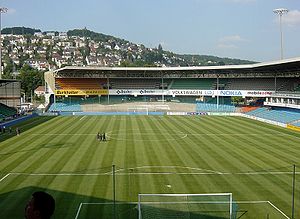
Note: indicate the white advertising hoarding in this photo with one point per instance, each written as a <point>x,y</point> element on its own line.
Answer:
<point>181,92</point>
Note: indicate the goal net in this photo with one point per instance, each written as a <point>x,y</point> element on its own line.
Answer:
<point>137,111</point>
<point>186,206</point>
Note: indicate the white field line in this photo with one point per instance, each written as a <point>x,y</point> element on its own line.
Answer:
<point>78,211</point>
<point>281,212</point>
<point>82,117</point>
<point>239,134</point>
<point>148,133</point>
<point>181,167</point>
<point>108,203</point>
<point>145,173</point>
<point>118,203</point>
<point>61,174</point>
<point>175,134</point>
<point>183,202</point>
<point>59,134</point>
<point>4,177</point>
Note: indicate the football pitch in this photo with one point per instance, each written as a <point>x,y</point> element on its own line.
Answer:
<point>152,155</point>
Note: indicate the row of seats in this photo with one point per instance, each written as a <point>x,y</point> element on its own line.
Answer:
<point>296,123</point>
<point>257,111</point>
<point>211,107</point>
<point>279,115</point>
<point>201,84</point>
<point>282,84</point>
<point>64,107</point>
<point>80,83</point>
<point>6,111</point>
<point>135,83</point>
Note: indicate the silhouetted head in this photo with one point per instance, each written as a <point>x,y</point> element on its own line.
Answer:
<point>40,206</point>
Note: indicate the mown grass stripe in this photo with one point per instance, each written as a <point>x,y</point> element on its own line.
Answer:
<point>146,141</point>
<point>219,141</point>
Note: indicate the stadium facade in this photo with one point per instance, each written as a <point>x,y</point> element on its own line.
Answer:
<point>276,83</point>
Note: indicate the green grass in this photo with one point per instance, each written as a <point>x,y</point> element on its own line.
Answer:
<point>152,154</point>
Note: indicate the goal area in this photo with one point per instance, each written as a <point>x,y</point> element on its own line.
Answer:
<point>187,206</point>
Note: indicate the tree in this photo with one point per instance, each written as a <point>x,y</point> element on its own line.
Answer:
<point>237,100</point>
<point>8,68</point>
<point>160,53</point>
<point>30,79</point>
<point>160,49</point>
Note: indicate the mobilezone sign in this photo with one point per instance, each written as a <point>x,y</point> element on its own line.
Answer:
<point>212,93</point>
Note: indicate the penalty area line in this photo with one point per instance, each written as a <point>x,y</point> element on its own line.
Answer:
<point>112,203</point>
<point>78,211</point>
<point>281,212</point>
<point>4,177</point>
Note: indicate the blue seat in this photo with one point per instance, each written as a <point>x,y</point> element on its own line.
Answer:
<point>211,107</point>
<point>64,107</point>
<point>279,115</point>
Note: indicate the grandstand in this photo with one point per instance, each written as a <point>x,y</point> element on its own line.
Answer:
<point>7,111</point>
<point>79,83</point>
<point>9,98</point>
<point>268,84</point>
<point>278,114</point>
<point>201,84</point>
<point>135,83</point>
<point>210,89</point>
<point>212,107</point>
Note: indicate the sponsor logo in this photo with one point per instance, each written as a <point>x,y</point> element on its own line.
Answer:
<point>187,92</point>
<point>66,92</point>
<point>260,93</point>
<point>230,93</point>
<point>197,113</point>
<point>124,91</point>
<point>209,92</point>
<point>80,92</point>
<point>147,91</point>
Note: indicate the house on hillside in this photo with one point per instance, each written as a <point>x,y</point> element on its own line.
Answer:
<point>39,91</point>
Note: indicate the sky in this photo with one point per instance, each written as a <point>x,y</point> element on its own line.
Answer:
<point>244,29</point>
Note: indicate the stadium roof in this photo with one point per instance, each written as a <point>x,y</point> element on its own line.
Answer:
<point>280,66</point>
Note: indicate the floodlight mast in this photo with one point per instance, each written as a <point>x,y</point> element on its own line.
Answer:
<point>280,12</point>
<point>2,11</point>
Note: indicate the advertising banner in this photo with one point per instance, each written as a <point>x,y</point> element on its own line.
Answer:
<point>292,127</point>
<point>80,92</point>
<point>183,92</point>
<point>140,92</point>
<point>191,92</point>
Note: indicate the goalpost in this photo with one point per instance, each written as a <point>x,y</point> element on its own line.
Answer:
<point>186,206</point>
<point>138,111</point>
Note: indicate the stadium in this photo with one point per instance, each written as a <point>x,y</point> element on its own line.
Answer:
<point>181,142</point>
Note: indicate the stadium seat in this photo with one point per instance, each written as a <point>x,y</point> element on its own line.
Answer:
<point>136,83</point>
<point>211,107</point>
<point>64,107</point>
<point>6,111</point>
<point>201,84</point>
<point>80,83</point>
<point>282,115</point>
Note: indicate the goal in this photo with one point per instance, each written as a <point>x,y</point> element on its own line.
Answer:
<point>186,206</point>
<point>137,111</point>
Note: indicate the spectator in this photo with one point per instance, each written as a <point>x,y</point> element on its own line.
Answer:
<point>40,206</point>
